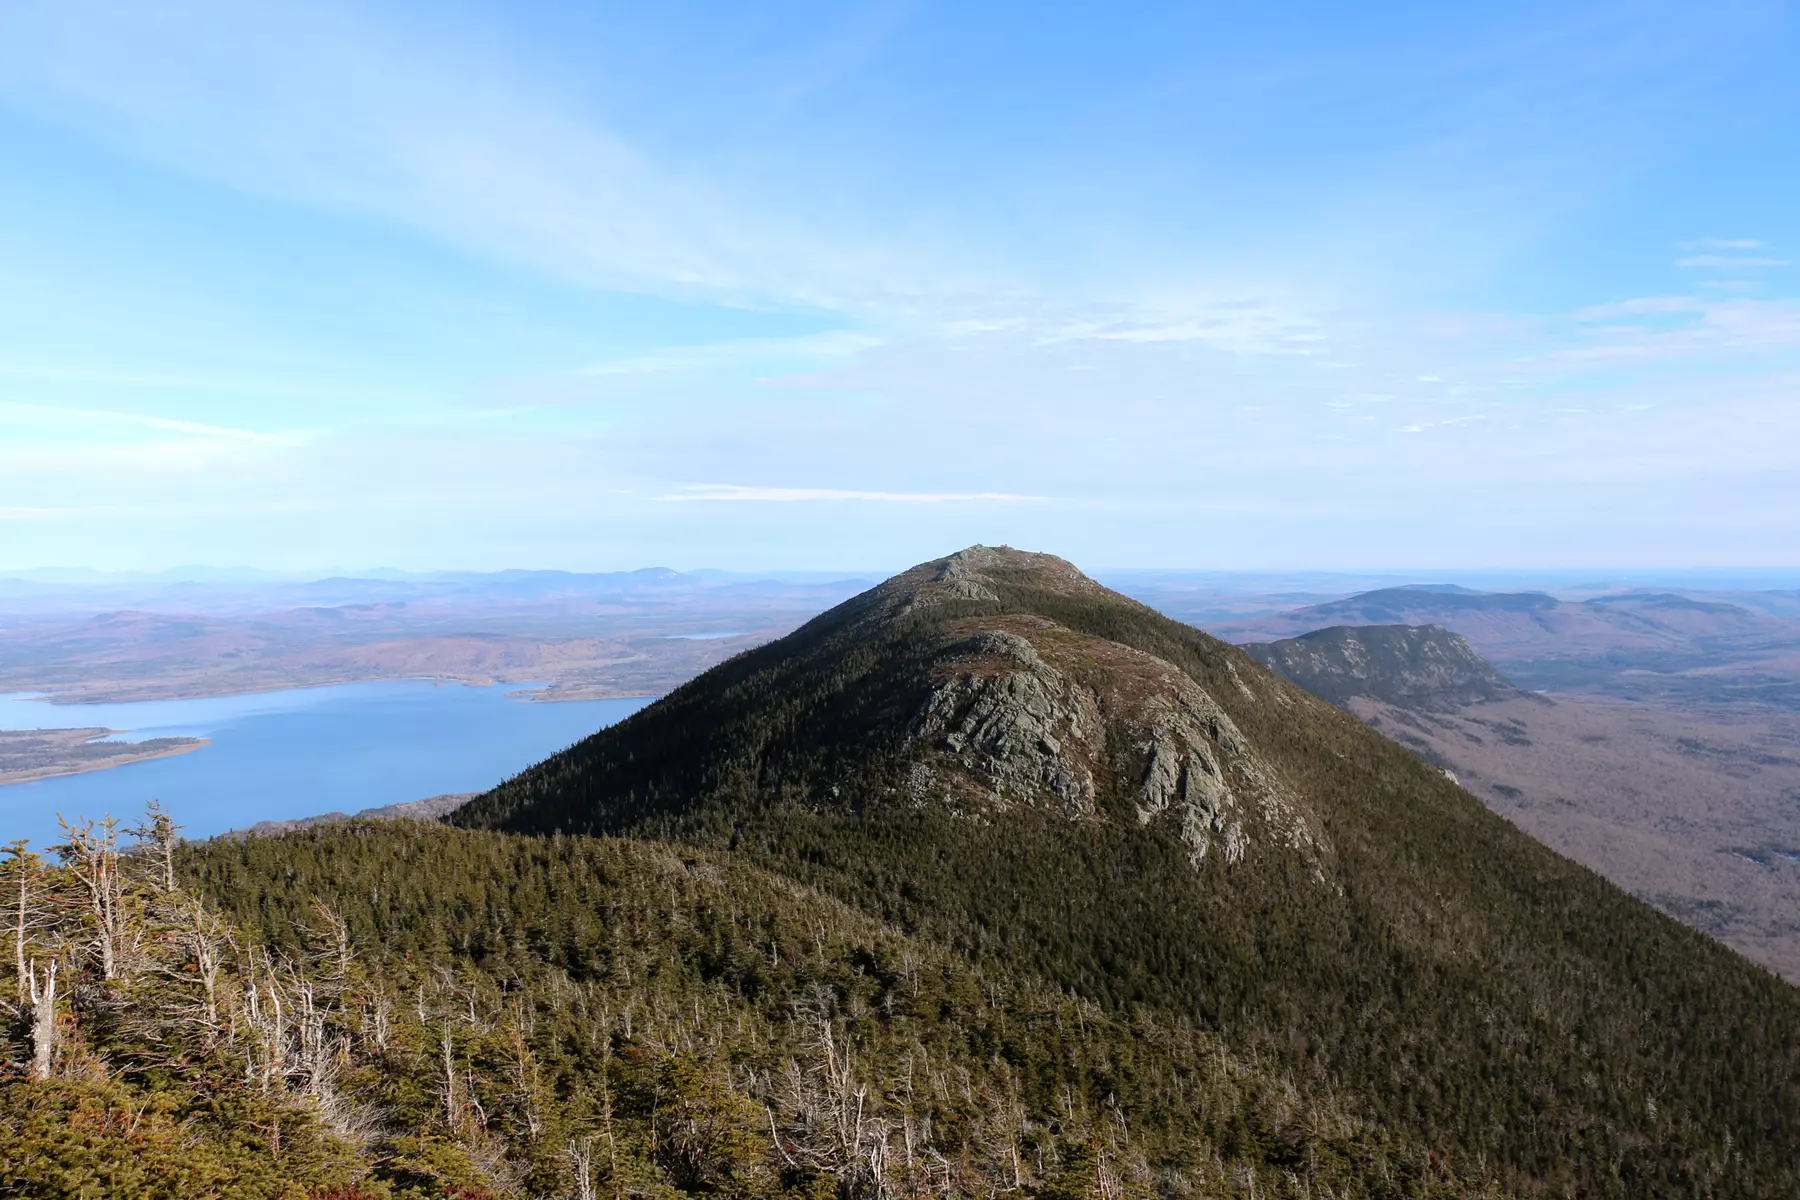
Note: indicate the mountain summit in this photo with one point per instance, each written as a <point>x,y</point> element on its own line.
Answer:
<point>950,685</point>
<point>999,755</point>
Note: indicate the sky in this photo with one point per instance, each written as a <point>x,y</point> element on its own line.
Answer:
<point>817,286</point>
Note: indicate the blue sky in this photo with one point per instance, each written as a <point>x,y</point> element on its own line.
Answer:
<point>789,285</point>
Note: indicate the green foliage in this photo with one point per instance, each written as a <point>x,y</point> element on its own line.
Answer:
<point>1466,985</point>
<point>93,1139</point>
<point>705,1027</point>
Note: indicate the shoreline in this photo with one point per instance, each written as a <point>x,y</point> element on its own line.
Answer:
<point>34,774</point>
<point>531,691</point>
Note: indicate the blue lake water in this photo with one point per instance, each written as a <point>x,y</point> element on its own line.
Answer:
<point>276,755</point>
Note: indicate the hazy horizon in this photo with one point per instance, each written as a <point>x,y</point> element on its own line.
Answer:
<point>1742,576</point>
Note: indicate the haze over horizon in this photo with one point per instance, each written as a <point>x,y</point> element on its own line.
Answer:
<point>1189,287</point>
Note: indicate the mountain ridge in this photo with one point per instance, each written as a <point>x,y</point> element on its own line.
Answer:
<point>1379,937</point>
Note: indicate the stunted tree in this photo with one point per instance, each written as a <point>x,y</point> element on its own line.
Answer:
<point>157,840</point>
<point>90,851</point>
<point>27,904</point>
<point>208,943</point>
<point>30,912</point>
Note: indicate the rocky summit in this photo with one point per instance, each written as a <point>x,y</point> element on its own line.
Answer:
<point>994,708</point>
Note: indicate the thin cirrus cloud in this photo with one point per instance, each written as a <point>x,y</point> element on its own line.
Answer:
<point>1729,260</point>
<point>735,493</point>
<point>1719,243</point>
<point>337,108</point>
<point>46,415</point>
<point>807,350</point>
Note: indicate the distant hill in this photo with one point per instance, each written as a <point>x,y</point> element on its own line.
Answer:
<point>999,755</point>
<point>1415,666</point>
<point>1690,809</point>
<point>1643,644</point>
<point>1504,625</point>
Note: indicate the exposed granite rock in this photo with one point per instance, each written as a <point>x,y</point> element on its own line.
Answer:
<point>1037,716</point>
<point>1421,667</point>
<point>1016,723</point>
<point>977,573</point>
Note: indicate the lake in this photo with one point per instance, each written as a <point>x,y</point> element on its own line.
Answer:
<point>297,753</point>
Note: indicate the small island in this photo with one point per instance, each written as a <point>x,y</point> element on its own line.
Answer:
<point>27,754</point>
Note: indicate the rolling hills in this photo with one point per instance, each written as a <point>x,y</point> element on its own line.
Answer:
<point>1641,644</point>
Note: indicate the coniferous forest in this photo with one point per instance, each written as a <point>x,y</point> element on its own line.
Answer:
<point>776,936</point>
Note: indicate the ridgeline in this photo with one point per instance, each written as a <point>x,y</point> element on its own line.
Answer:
<point>988,881</point>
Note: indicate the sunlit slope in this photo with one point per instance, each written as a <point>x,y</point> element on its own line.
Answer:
<point>998,753</point>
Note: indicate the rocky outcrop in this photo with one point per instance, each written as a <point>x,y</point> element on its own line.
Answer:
<point>1057,721</point>
<point>959,582</point>
<point>980,572</point>
<point>432,808</point>
<point>1015,723</point>
<point>1422,667</point>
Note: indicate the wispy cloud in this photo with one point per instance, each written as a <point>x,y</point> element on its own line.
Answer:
<point>1641,306</point>
<point>736,493</point>
<point>1719,243</point>
<point>809,350</point>
<point>45,414</point>
<point>1729,260</point>
<point>28,513</point>
<point>1676,327</point>
<point>162,381</point>
<point>429,127</point>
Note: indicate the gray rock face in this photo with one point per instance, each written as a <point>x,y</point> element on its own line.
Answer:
<point>1024,730</point>
<point>1413,666</point>
<point>975,573</point>
<point>1182,773</point>
<point>1011,717</point>
<point>958,579</point>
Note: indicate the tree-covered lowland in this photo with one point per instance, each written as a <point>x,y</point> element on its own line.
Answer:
<point>989,882</point>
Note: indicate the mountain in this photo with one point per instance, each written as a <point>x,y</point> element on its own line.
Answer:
<point>999,756</point>
<point>1644,644</point>
<point>1414,666</point>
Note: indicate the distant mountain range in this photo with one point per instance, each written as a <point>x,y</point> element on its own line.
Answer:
<point>636,633</point>
<point>520,590</point>
<point>1644,644</point>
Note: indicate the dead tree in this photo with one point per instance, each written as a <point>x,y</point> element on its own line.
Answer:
<point>91,853</point>
<point>207,939</point>
<point>26,903</point>
<point>830,1126</point>
<point>580,1157</point>
<point>41,990</point>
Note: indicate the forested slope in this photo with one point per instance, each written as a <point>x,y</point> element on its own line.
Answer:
<point>389,1009</point>
<point>1325,899</point>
